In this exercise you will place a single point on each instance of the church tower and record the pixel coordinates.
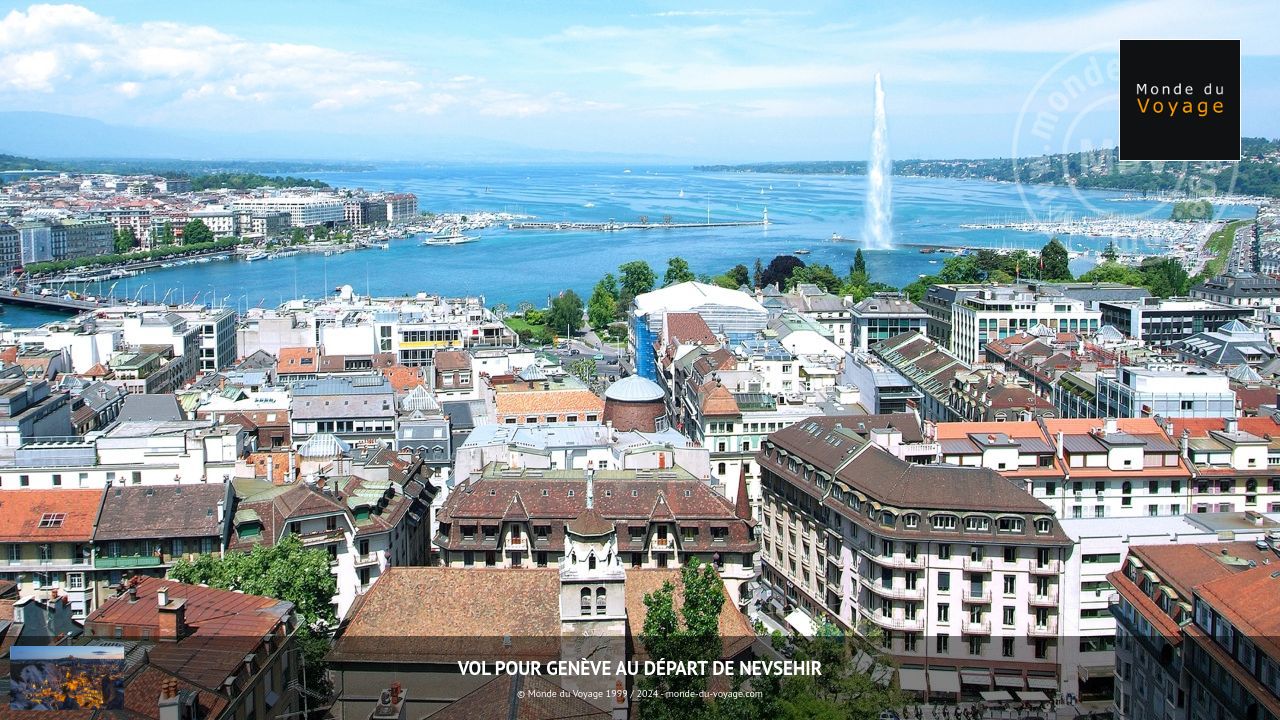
(593, 604)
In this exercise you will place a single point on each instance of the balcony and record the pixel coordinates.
(897, 623)
(324, 537)
(517, 543)
(368, 559)
(663, 544)
(893, 561)
(972, 565)
(982, 627)
(128, 561)
(1052, 567)
(895, 593)
(1048, 628)
(50, 564)
(977, 596)
(1043, 600)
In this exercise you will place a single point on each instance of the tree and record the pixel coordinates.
(1054, 261)
(565, 313)
(166, 235)
(1110, 254)
(321, 232)
(739, 275)
(677, 272)
(584, 368)
(501, 310)
(286, 571)
(779, 271)
(821, 275)
(125, 241)
(696, 639)
(1165, 277)
(523, 308)
(196, 232)
(1113, 272)
(602, 308)
(854, 682)
(637, 278)
(859, 262)
(297, 236)
(757, 274)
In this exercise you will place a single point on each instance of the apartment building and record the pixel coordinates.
(1255, 291)
(1235, 463)
(996, 312)
(813, 303)
(352, 408)
(304, 210)
(1164, 390)
(10, 248)
(930, 368)
(1163, 321)
(1195, 629)
(30, 410)
(517, 517)
(401, 207)
(882, 316)
(48, 543)
(958, 568)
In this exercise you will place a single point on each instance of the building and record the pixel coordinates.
(1229, 346)
(531, 397)
(997, 312)
(635, 403)
(30, 410)
(65, 239)
(1164, 321)
(222, 222)
(304, 210)
(1195, 629)
(48, 540)
(206, 653)
(352, 408)
(517, 516)
(451, 374)
(1235, 463)
(133, 216)
(828, 310)
(958, 568)
(1164, 390)
(881, 389)
(401, 207)
(10, 248)
(264, 223)
(724, 311)
(929, 367)
(882, 316)
(1260, 293)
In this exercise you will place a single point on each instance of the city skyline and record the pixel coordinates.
(664, 82)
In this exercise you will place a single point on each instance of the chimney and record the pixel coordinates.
(1232, 424)
(173, 620)
(222, 510)
(1110, 426)
(1185, 443)
(591, 486)
(133, 594)
(162, 595)
(391, 704)
(171, 703)
(1058, 450)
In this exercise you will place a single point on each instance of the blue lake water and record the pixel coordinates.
(514, 265)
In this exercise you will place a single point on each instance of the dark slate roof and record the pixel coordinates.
(150, 408)
(160, 511)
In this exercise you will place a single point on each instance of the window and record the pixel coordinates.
(24, 481)
(51, 520)
(490, 558)
(601, 603)
(585, 602)
(942, 644)
(1010, 584)
(1011, 525)
(57, 480)
(944, 581)
(944, 613)
(1008, 617)
(1010, 554)
(944, 551)
(1043, 526)
(1006, 646)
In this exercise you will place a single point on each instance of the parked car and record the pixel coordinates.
(598, 356)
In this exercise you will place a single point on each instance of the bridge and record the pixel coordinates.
(52, 302)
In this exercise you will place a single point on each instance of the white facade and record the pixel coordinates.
(304, 210)
(1167, 391)
(998, 312)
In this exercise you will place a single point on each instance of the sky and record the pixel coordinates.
(683, 80)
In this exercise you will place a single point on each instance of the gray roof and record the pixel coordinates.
(360, 385)
(150, 408)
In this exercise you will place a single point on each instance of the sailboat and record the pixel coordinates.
(681, 192)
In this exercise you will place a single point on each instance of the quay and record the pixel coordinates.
(612, 226)
(52, 302)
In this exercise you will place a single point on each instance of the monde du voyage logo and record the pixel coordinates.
(1180, 100)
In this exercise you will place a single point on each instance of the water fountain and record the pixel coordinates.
(877, 232)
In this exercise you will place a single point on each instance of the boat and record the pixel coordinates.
(928, 250)
(255, 255)
(802, 252)
(451, 238)
(836, 237)
(589, 205)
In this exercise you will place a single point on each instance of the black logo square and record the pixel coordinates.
(1179, 99)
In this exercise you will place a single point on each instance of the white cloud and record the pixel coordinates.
(129, 89)
(29, 71)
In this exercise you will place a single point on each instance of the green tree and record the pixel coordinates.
(584, 368)
(166, 235)
(757, 274)
(739, 274)
(125, 241)
(321, 232)
(501, 310)
(697, 638)
(287, 571)
(821, 275)
(602, 308)
(779, 271)
(677, 272)
(565, 313)
(1165, 277)
(196, 232)
(1054, 261)
(859, 262)
(854, 682)
(1111, 254)
(297, 236)
(637, 278)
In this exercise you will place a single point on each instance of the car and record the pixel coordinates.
(598, 356)
(575, 351)
(889, 715)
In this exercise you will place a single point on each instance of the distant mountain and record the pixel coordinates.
(54, 136)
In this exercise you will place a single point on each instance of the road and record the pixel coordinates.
(608, 366)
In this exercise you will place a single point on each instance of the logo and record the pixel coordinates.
(1180, 100)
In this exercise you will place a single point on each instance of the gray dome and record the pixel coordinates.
(323, 445)
(634, 389)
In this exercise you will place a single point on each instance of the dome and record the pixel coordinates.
(634, 389)
(323, 445)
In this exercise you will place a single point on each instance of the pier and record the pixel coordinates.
(612, 226)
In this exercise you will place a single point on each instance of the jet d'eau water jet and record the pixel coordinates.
(877, 232)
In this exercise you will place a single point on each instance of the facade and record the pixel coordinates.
(882, 316)
(1260, 293)
(724, 312)
(930, 368)
(10, 248)
(401, 207)
(997, 312)
(304, 210)
(1195, 629)
(30, 410)
(518, 517)
(65, 239)
(352, 408)
(1235, 463)
(1164, 390)
(48, 540)
(1164, 321)
(958, 568)
(222, 222)
(829, 311)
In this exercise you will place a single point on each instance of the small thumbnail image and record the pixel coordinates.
(66, 678)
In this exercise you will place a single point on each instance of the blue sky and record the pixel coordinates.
(687, 80)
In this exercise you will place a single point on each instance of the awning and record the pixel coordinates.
(1033, 696)
(801, 623)
(944, 681)
(1095, 671)
(1014, 681)
(1044, 683)
(911, 679)
(976, 677)
(996, 696)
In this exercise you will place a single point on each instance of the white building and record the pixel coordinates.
(997, 312)
(304, 210)
(1164, 390)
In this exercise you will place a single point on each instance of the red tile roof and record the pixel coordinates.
(452, 360)
(62, 515)
(402, 378)
(298, 360)
(685, 328)
(1200, 427)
